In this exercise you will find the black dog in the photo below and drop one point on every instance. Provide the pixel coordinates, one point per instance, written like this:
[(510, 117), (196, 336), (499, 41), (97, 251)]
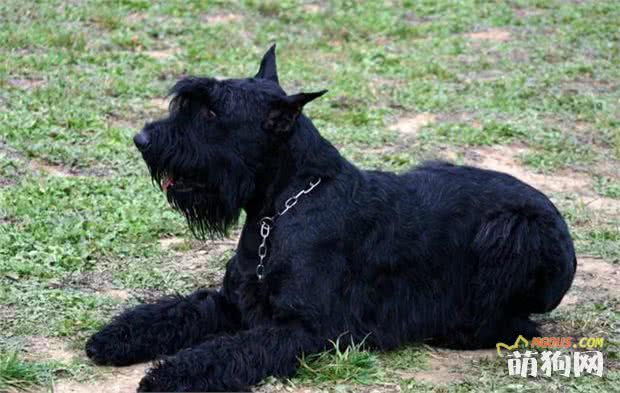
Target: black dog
[(451, 255)]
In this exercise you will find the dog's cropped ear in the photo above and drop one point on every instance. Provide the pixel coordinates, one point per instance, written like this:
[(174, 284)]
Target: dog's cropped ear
[(268, 68), (285, 110)]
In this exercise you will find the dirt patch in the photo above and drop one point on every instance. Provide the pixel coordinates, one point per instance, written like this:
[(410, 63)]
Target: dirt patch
[(204, 262), (599, 203), (12, 169), (99, 282), (278, 387), (458, 117), (312, 8), (48, 348), (596, 273), (412, 125), (222, 18), (33, 164), (120, 295), (171, 243), (495, 35), (378, 388), (94, 280), (161, 54), (50, 169), (120, 380), (5, 181), (158, 106), (588, 85), (135, 17), (385, 149), (523, 13), (528, 12), (7, 312), (595, 280), (26, 84), (570, 300), (486, 76), (504, 159), (159, 103), (609, 167), (206, 265), (130, 123), (446, 366)]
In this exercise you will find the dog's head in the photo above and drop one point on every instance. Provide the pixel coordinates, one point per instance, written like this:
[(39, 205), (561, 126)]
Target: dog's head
[(206, 153)]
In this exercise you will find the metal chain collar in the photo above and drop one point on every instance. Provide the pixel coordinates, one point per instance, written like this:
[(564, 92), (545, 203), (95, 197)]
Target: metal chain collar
[(267, 223)]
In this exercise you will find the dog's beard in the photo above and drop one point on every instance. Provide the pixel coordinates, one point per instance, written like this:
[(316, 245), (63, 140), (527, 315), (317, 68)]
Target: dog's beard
[(209, 188), (208, 215), (212, 205)]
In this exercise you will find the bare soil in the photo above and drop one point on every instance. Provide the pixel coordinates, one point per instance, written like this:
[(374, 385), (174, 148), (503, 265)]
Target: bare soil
[(120, 380), (48, 348), (579, 184), (161, 54), (50, 169), (496, 35), (26, 83), (222, 18), (33, 164), (446, 366), (412, 125), (505, 159)]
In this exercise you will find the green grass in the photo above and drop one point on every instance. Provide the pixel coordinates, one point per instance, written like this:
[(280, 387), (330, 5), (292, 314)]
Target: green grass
[(78, 79), (66, 312), (604, 242), (607, 187), (58, 233), (18, 374), (594, 233), (491, 377), (353, 364), (15, 374), (411, 357)]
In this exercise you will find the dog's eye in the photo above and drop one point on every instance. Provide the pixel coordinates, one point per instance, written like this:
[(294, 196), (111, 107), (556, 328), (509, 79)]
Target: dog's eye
[(208, 113)]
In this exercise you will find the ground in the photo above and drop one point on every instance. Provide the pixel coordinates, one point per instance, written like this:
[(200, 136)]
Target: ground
[(529, 87)]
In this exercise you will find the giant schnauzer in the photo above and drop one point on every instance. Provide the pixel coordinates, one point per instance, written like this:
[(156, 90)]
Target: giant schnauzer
[(450, 255)]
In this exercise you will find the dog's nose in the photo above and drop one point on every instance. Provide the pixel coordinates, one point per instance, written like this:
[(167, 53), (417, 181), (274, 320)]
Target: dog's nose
[(141, 140)]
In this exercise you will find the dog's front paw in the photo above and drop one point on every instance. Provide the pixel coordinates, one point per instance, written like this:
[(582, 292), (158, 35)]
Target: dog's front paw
[(167, 376), (111, 346), (193, 370)]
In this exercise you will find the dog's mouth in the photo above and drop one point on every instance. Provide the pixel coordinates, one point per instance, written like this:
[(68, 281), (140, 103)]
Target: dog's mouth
[(166, 183), (179, 185), (209, 209)]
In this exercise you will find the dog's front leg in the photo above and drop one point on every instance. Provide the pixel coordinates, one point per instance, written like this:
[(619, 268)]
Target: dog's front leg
[(162, 328), (232, 363)]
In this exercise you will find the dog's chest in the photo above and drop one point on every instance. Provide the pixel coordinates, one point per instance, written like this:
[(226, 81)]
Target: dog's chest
[(255, 297), (277, 296)]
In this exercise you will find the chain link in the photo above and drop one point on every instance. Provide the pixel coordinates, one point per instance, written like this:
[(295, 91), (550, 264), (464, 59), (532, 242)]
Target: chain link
[(267, 223)]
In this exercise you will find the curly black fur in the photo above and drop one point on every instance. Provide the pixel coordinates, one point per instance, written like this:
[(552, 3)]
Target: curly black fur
[(451, 255)]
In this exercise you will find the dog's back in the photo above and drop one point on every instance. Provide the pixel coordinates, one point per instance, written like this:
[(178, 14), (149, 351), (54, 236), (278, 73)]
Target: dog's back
[(466, 254)]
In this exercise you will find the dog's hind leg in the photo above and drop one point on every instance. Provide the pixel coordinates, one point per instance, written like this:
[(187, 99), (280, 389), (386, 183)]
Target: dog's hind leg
[(233, 363), (149, 330), (500, 327), (526, 263), (504, 328)]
